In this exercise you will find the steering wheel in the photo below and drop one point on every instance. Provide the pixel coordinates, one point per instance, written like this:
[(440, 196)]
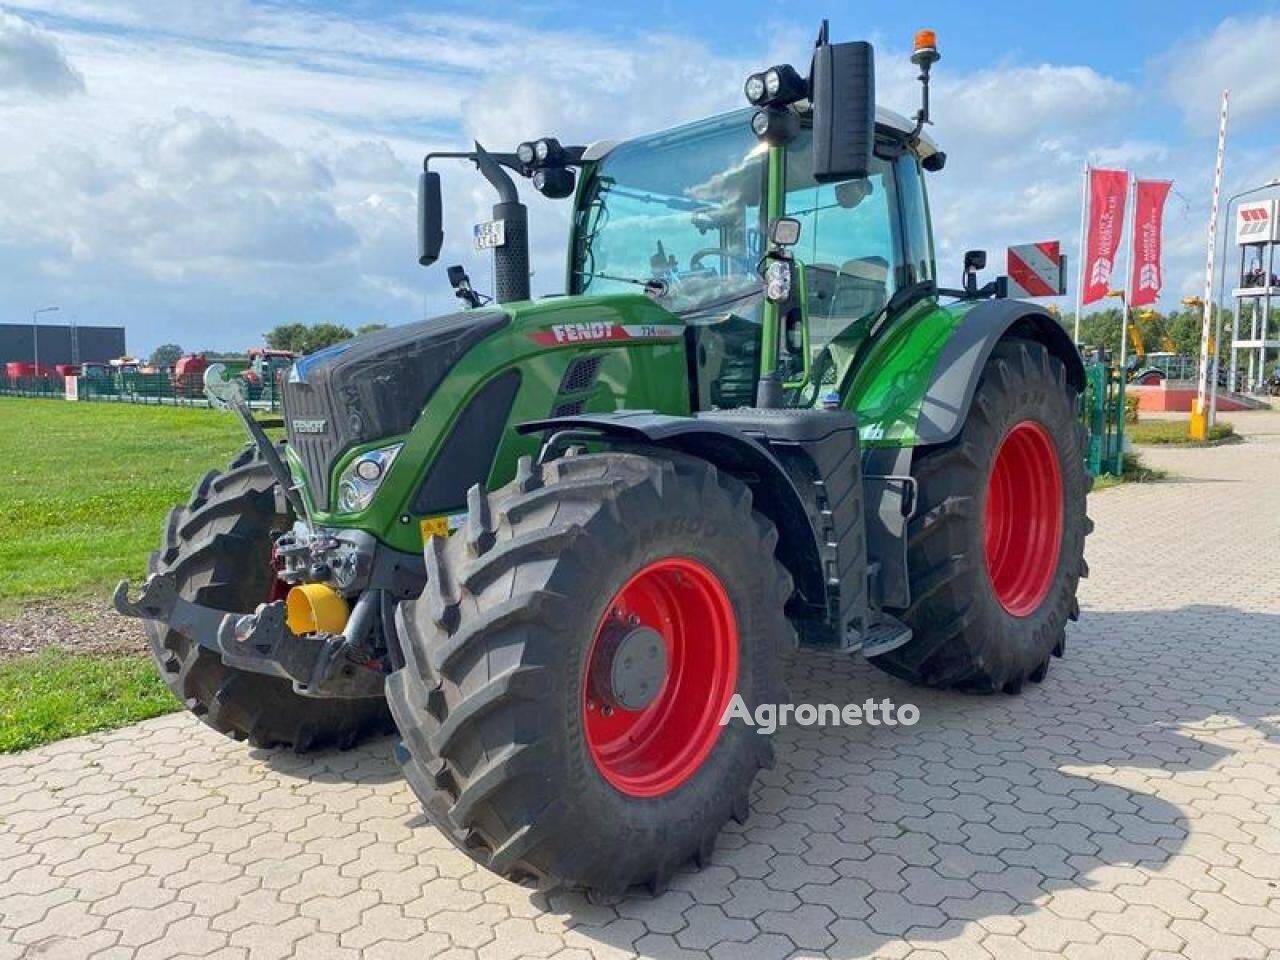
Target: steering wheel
[(695, 261)]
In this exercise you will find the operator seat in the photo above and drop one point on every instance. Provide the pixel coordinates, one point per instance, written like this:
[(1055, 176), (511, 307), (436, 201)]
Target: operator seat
[(862, 288)]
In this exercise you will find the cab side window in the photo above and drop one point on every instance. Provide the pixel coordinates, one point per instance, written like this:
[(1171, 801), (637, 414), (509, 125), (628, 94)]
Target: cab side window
[(849, 244), (917, 235)]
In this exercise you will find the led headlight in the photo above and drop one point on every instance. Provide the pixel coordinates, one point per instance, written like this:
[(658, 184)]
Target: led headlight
[(777, 280), (548, 151), (775, 125), (554, 182), (754, 88), (362, 477), (525, 154)]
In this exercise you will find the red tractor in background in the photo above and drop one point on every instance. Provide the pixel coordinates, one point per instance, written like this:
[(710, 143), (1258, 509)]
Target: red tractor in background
[(266, 371), (260, 370)]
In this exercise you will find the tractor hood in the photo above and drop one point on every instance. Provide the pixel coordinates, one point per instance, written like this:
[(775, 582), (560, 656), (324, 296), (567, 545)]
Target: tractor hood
[(373, 386), (469, 374)]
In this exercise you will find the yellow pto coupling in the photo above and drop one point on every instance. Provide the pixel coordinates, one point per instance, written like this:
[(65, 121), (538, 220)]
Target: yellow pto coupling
[(315, 608)]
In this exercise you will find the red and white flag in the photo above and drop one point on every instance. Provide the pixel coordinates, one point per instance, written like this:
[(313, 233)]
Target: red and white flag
[(1148, 217), (1107, 189)]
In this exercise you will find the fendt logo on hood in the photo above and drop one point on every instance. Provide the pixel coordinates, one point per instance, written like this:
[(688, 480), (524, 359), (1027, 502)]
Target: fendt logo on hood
[(600, 332), (579, 332)]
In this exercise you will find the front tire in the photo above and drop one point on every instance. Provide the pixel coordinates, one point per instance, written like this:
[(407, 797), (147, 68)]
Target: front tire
[(502, 704), (218, 549), (996, 543)]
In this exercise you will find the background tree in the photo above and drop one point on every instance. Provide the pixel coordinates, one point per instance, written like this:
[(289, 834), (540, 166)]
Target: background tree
[(287, 336), (165, 355), (323, 335), (369, 328), (302, 339)]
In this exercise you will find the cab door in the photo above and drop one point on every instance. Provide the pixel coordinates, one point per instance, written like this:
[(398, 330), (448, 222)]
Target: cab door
[(860, 241)]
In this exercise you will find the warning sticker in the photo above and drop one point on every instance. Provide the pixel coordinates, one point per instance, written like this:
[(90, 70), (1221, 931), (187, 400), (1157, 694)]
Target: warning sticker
[(443, 526)]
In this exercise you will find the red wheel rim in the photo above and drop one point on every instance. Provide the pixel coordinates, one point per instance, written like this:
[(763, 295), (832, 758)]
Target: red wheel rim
[(1024, 518), (652, 751)]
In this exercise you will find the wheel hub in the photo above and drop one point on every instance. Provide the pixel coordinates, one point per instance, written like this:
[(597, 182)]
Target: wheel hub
[(660, 672), (630, 665)]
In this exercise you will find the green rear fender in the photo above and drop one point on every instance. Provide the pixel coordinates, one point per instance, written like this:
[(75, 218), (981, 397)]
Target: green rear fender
[(918, 379)]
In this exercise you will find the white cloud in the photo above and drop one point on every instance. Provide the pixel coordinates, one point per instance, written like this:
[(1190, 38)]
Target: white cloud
[(32, 62), (1239, 55)]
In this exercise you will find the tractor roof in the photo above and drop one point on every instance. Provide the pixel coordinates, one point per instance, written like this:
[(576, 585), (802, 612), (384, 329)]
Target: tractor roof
[(887, 119)]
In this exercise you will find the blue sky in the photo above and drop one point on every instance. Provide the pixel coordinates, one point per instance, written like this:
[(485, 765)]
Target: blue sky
[(203, 172)]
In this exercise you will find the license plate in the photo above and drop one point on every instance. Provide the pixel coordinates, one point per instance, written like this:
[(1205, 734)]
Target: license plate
[(491, 234)]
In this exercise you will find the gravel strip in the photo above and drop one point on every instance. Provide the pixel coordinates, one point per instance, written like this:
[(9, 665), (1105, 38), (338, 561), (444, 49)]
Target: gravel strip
[(81, 626)]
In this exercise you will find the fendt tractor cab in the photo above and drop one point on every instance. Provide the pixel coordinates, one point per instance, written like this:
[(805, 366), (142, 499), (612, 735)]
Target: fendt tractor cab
[(552, 540)]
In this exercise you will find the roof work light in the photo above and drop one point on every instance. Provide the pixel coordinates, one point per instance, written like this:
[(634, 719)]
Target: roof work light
[(776, 86)]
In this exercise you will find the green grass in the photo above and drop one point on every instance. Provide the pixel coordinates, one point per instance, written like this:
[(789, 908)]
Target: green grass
[(1134, 471), (55, 694), (85, 487), (1172, 431)]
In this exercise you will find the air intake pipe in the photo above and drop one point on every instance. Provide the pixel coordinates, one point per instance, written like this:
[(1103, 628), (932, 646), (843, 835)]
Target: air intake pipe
[(511, 259)]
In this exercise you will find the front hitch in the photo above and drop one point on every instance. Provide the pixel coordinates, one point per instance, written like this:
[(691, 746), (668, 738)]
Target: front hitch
[(328, 665)]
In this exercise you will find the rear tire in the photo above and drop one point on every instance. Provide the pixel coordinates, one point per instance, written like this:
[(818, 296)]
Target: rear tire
[(494, 703), (989, 600), (218, 549)]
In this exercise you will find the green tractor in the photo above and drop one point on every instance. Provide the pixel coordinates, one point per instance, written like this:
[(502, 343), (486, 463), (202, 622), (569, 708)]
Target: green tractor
[(550, 541)]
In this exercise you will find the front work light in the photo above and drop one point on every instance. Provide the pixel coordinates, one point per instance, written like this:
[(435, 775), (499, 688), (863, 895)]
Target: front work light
[(785, 231), (775, 125), (362, 477), (548, 151), (782, 84), (776, 86), (525, 154), (555, 183)]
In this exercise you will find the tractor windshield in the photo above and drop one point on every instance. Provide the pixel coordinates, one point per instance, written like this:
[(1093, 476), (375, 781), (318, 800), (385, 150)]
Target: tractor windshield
[(681, 210)]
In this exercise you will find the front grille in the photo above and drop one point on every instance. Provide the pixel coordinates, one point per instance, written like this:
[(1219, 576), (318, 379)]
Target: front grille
[(316, 450)]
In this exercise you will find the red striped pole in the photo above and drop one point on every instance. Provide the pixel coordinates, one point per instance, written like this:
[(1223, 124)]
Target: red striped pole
[(1200, 414)]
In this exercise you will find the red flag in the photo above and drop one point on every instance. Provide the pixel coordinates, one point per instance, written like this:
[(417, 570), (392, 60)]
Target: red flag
[(1148, 214), (1107, 190)]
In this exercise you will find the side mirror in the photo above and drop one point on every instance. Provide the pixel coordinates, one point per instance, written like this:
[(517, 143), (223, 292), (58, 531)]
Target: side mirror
[(974, 260), (785, 232), (843, 92), (430, 218)]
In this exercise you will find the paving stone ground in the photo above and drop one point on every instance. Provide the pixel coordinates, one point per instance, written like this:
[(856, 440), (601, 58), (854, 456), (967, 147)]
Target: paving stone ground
[(1127, 807)]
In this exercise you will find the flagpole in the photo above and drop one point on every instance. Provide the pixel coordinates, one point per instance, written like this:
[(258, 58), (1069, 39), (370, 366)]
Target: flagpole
[(1131, 201), (1084, 221)]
